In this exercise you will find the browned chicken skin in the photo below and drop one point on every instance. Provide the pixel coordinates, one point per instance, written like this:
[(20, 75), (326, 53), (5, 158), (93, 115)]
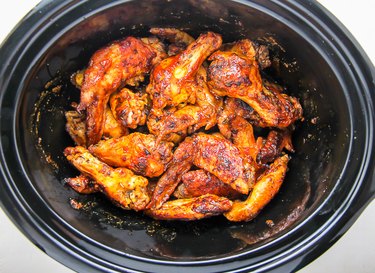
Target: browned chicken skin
[(192, 88), (179, 39), (129, 108), (264, 190), (76, 126), (121, 185), (136, 151), (194, 208), (214, 154), (235, 73), (170, 78), (83, 184), (200, 182), (193, 116), (122, 62), (274, 144)]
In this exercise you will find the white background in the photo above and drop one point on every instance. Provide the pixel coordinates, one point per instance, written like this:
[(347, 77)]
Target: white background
[(354, 252)]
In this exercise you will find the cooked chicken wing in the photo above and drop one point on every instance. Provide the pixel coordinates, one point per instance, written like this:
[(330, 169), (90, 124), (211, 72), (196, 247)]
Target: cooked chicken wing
[(276, 141), (214, 154), (233, 125), (76, 126), (192, 117), (169, 78), (83, 184), (136, 151), (121, 185), (264, 190), (200, 182), (191, 208), (235, 73), (130, 108), (111, 67)]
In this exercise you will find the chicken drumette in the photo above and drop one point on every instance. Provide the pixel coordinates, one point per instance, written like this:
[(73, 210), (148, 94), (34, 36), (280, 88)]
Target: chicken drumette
[(121, 185)]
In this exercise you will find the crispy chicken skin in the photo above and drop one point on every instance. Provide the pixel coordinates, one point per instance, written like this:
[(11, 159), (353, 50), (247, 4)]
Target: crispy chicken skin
[(169, 78), (191, 208), (83, 184), (264, 190), (235, 73), (207, 109), (193, 116), (136, 151), (276, 141), (121, 185), (200, 182), (214, 154), (129, 108), (109, 68)]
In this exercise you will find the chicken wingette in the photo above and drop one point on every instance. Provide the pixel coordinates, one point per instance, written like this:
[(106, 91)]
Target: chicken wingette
[(200, 182), (266, 187), (194, 208), (214, 154), (120, 63), (136, 151), (121, 185), (235, 73)]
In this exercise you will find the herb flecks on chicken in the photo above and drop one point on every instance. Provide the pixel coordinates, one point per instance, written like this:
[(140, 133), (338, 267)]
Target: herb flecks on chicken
[(121, 185)]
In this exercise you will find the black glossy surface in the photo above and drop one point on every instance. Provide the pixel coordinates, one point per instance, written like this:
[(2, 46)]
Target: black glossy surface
[(330, 179)]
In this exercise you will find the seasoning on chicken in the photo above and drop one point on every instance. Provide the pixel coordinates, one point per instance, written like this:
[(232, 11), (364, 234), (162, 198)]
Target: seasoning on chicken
[(194, 208), (214, 154), (193, 116), (136, 151), (200, 182), (266, 187), (235, 73), (170, 79), (120, 63), (130, 108), (207, 101), (121, 185)]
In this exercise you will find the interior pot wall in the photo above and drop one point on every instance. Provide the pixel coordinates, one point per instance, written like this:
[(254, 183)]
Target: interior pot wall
[(320, 140)]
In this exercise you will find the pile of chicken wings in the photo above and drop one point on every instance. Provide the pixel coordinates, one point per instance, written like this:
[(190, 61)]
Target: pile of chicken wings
[(165, 125)]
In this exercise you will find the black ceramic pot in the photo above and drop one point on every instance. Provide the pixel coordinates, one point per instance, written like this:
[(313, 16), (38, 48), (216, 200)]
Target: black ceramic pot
[(331, 176)]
